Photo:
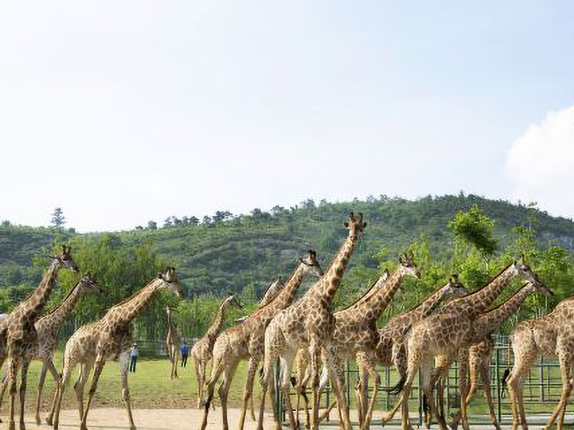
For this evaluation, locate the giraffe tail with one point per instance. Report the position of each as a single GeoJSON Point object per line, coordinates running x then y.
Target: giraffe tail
{"type": "Point", "coordinates": [397, 388]}
{"type": "Point", "coordinates": [507, 371]}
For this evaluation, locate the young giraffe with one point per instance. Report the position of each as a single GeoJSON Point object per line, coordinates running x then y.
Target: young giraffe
{"type": "Point", "coordinates": [172, 343]}
{"type": "Point", "coordinates": [246, 340]}
{"type": "Point", "coordinates": [202, 351]}
{"type": "Point", "coordinates": [390, 348]}
{"type": "Point", "coordinates": [444, 334]}
{"type": "Point", "coordinates": [107, 338]}
{"type": "Point", "coordinates": [481, 345]}
{"type": "Point", "coordinates": [270, 294]}
{"type": "Point", "coordinates": [309, 324]}
{"type": "Point", "coordinates": [18, 331]}
{"type": "Point", "coordinates": [48, 328]}
{"type": "Point", "coordinates": [355, 335]}
{"type": "Point", "coordinates": [549, 335]}
{"type": "Point", "coordinates": [302, 360]}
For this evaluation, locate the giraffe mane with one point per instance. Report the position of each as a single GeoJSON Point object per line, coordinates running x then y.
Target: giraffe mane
{"type": "Point", "coordinates": [123, 302]}
{"type": "Point", "coordinates": [362, 297]}
{"type": "Point", "coordinates": [485, 285]}
{"type": "Point", "coordinates": [65, 298]}
{"type": "Point", "coordinates": [504, 302]}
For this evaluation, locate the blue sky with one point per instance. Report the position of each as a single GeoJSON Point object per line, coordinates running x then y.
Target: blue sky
{"type": "Point", "coordinates": [124, 113]}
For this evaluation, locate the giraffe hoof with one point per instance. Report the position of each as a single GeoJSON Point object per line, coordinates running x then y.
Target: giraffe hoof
{"type": "Point", "coordinates": [38, 421]}
{"type": "Point", "coordinates": [49, 421]}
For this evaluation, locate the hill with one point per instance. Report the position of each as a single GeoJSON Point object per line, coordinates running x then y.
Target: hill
{"type": "Point", "coordinates": [244, 253]}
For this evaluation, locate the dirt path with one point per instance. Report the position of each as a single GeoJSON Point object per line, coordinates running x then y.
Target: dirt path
{"type": "Point", "coordinates": [145, 419]}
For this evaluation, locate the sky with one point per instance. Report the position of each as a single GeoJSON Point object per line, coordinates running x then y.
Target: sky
{"type": "Point", "coordinates": [126, 112]}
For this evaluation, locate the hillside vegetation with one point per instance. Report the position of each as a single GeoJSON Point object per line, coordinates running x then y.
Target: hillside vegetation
{"type": "Point", "coordinates": [243, 254]}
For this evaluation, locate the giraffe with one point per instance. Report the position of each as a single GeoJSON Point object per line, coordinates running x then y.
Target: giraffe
{"type": "Point", "coordinates": [172, 342]}
{"type": "Point", "coordinates": [270, 293]}
{"type": "Point", "coordinates": [549, 335]}
{"type": "Point", "coordinates": [390, 348]}
{"type": "Point", "coordinates": [302, 358]}
{"type": "Point", "coordinates": [445, 333]}
{"type": "Point", "coordinates": [107, 338]}
{"type": "Point", "coordinates": [18, 331]}
{"type": "Point", "coordinates": [246, 341]}
{"type": "Point", "coordinates": [481, 344]}
{"type": "Point", "coordinates": [202, 351]}
{"type": "Point", "coordinates": [48, 328]}
{"type": "Point", "coordinates": [309, 323]}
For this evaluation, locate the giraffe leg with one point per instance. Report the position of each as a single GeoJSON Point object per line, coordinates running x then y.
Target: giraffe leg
{"type": "Point", "coordinates": [286, 362]}
{"type": "Point", "coordinates": [463, 364]}
{"type": "Point", "coordinates": [475, 361]}
{"type": "Point", "coordinates": [266, 380]}
{"type": "Point", "coordinates": [14, 366]}
{"type": "Point", "coordinates": [360, 392]}
{"type": "Point", "coordinates": [565, 359]}
{"type": "Point", "coordinates": [485, 376]}
{"type": "Point", "coordinates": [400, 361]}
{"type": "Point", "coordinates": [54, 415]}
{"type": "Point", "coordinates": [200, 382]}
{"type": "Point", "coordinates": [100, 363]}
{"type": "Point", "coordinates": [367, 364]}
{"type": "Point", "coordinates": [3, 391]}
{"type": "Point", "coordinates": [85, 370]}
{"type": "Point", "coordinates": [415, 357]}
{"type": "Point", "coordinates": [337, 377]}
{"type": "Point", "coordinates": [216, 371]}
{"type": "Point", "coordinates": [47, 364]}
{"type": "Point", "coordinates": [124, 360]}
{"type": "Point", "coordinates": [23, 386]}
{"type": "Point", "coordinates": [248, 392]}
{"type": "Point", "coordinates": [223, 390]}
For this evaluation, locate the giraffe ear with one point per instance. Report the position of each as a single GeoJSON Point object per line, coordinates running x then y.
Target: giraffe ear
{"type": "Point", "coordinates": [346, 224]}
{"type": "Point", "coordinates": [364, 224]}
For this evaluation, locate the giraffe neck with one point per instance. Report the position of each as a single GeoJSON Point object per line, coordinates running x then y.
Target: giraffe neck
{"type": "Point", "coordinates": [289, 291]}
{"type": "Point", "coordinates": [60, 315]}
{"type": "Point", "coordinates": [215, 327]}
{"type": "Point", "coordinates": [476, 303]}
{"type": "Point", "coordinates": [377, 302]}
{"type": "Point", "coordinates": [40, 296]}
{"type": "Point", "coordinates": [493, 319]}
{"type": "Point", "coordinates": [169, 325]}
{"type": "Point", "coordinates": [428, 306]}
{"type": "Point", "coordinates": [269, 294]}
{"type": "Point", "coordinates": [324, 290]}
{"type": "Point", "coordinates": [130, 309]}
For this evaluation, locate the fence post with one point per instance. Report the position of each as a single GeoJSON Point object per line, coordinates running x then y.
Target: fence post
{"type": "Point", "coordinates": [498, 386]}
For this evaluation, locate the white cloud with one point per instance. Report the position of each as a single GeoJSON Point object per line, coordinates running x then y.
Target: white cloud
{"type": "Point", "coordinates": [540, 163]}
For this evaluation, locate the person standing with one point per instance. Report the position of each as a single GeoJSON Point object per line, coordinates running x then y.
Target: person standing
{"type": "Point", "coordinates": [184, 352]}
{"type": "Point", "coordinates": [134, 353]}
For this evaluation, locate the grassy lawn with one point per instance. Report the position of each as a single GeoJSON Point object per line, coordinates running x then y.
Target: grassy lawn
{"type": "Point", "coordinates": [150, 386]}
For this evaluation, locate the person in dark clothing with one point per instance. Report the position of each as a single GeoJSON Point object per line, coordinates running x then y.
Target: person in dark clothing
{"type": "Point", "coordinates": [184, 352]}
{"type": "Point", "coordinates": [134, 353]}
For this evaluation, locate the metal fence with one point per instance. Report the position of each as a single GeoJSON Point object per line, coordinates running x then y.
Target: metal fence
{"type": "Point", "coordinates": [542, 390]}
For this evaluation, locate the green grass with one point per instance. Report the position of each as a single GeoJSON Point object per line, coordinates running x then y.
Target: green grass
{"type": "Point", "coordinates": [150, 386]}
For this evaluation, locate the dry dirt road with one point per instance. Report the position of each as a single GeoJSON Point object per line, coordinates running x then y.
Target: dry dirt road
{"type": "Point", "coordinates": [145, 419]}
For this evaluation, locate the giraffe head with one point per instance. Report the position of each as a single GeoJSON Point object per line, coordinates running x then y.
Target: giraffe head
{"type": "Point", "coordinates": [523, 271]}
{"type": "Point", "coordinates": [88, 283]}
{"type": "Point", "coordinates": [408, 266]}
{"type": "Point", "coordinates": [311, 264]}
{"type": "Point", "coordinates": [355, 226]}
{"type": "Point", "coordinates": [232, 301]}
{"type": "Point", "coordinates": [455, 287]}
{"type": "Point", "coordinates": [171, 281]}
{"type": "Point", "coordinates": [65, 259]}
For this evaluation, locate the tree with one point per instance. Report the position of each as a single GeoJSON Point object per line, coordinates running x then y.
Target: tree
{"type": "Point", "coordinates": [152, 225]}
{"type": "Point", "coordinates": [58, 218]}
{"type": "Point", "coordinates": [474, 228]}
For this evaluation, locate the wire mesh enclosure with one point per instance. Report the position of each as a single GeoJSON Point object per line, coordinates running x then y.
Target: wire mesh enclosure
{"type": "Point", "coordinates": [542, 390]}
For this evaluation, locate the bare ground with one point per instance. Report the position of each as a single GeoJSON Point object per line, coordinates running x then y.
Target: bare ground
{"type": "Point", "coordinates": [145, 419]}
